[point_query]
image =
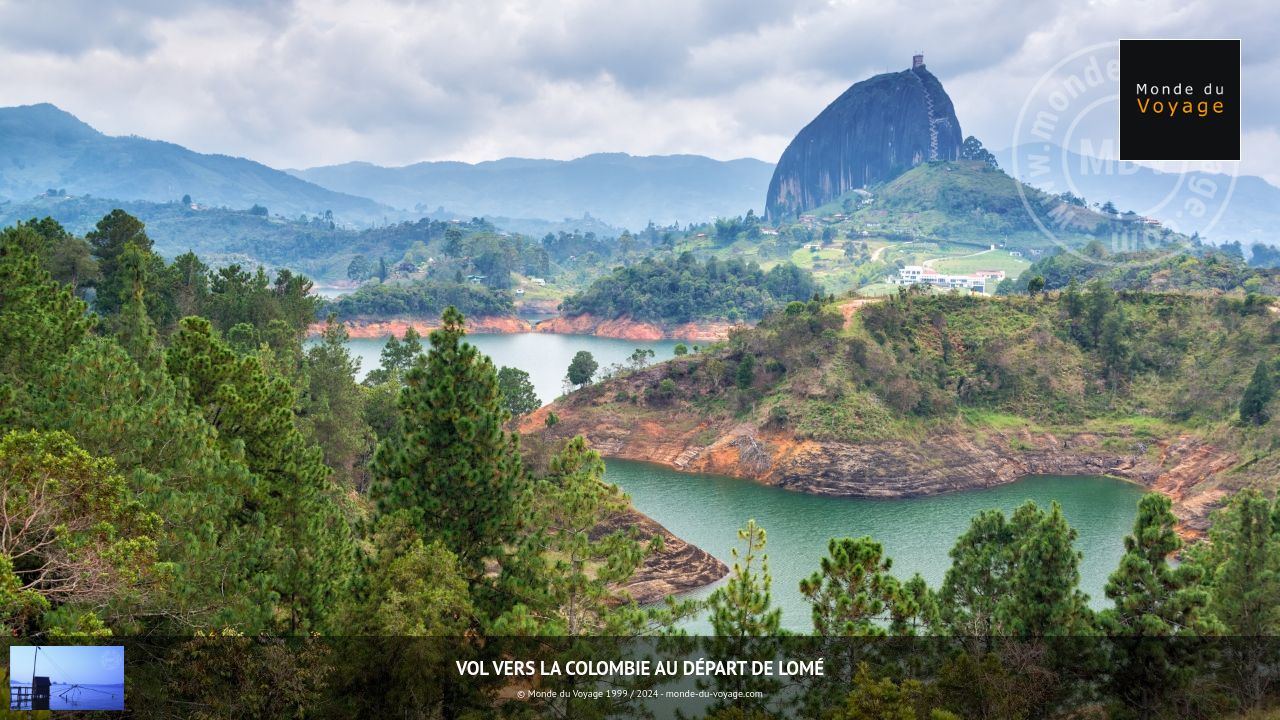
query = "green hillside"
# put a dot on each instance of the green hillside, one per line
(957, 217)
(971, 202)
(1129, 372)
(901, 365)
(1197, 268)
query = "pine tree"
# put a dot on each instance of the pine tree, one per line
(1257, 395)
(1153, 599)
(1015, 576)
(854, 594)
(398, 355)
(745, 374)
(1153, 602)
(1113, 346)
(189, 279)
(1242, 566)
(133, 326)
(311, 566)
(332, 409)
(743, 606)
(1246, 567)
(518, 395)
(745, 622)
(982, 564)
(40, 321)
(109, 240)
(582, 568)
(452, 467)
(1043, 598)
(1099, 301)
(1071, 300)
(213, 546)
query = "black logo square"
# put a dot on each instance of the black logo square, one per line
(1180, 99)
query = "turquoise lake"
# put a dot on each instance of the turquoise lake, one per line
(708, 510)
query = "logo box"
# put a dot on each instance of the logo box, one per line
(1180, 99)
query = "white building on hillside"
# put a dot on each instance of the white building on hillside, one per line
(981, 281)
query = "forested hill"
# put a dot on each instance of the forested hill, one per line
(321, 248)
(975, 202)
(1066, 357)
(683, 289)
(422, 299)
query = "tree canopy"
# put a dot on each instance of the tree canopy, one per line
(683, 289)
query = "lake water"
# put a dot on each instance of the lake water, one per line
(917, 533)
(544, 356)
(708, 510)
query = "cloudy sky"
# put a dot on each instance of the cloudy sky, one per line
(298, 83)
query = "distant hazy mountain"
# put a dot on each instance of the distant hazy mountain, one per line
(1252, 215)
(43, 147)
(619, 189)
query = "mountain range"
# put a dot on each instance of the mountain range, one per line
(43, 147)
(620, 189)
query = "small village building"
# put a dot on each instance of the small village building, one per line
(979, 281)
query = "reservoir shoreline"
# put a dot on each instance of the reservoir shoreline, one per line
(944, 461)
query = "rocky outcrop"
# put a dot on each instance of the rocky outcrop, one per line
(878, 129)
(1185, 468)
(680, 566)
(495, 325)
(627, 329)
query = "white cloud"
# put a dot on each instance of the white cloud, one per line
(311, 82)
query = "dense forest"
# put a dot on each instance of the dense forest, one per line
(681, 289)
(422, 298)
(326, 250)
(176, 463)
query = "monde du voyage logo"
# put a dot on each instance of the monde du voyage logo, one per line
(1179, 99)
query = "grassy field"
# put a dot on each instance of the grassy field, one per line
(989, 260)
(826, 256)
